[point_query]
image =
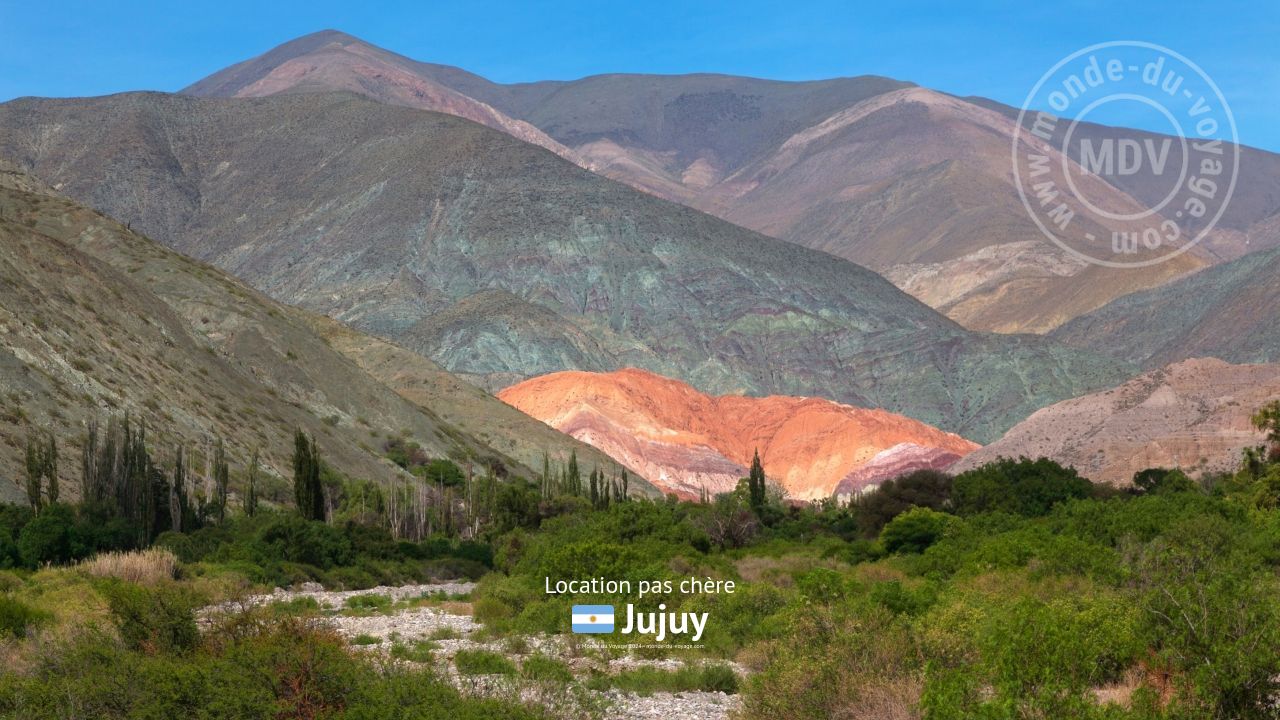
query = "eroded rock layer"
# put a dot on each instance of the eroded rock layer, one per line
(686, 441)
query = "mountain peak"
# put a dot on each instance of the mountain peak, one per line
(229, 81)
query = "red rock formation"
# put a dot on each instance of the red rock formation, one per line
(684, 441)
(1193, 415)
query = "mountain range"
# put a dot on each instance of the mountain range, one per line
(907, 181)
(829, 249)
(502, 261)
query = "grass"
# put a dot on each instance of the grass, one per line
(146, 567)
(648, 680)
(421, 651)
(483, 662)
(364, 639)
(297, 606)
(369, 604)
(445, 633)
(541, 668)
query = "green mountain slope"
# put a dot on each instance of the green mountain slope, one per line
(502, 261)
(98, 321)
(1228, 311)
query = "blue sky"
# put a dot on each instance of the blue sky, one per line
(994, 49)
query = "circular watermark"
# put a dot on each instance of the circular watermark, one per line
(1115, 196)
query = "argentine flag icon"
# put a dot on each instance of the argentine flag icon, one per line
(593, 619)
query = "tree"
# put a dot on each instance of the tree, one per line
(35, 471)
(546, 476)
(42, 465)
(923, 488)
(47, 538)
(573, 478)
(178, 494)
(251, 486)
(1267, 420)
(444, 472)
(221, 477)
(51, 470)
(756, 483)
(308, 492)
(729, 524)
(1159, 481)
(1022, 487)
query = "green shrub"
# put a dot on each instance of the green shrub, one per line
(372, 602)
(1023, 487)
(47, 538)
(915, 530)
(719, 678)
(1161, 480)
(364, 639)
(421, 651)
(17, 619)
(689, 678)
(922, 488)
(490, 610)
(541, 668)
(482, 662)
(10, 581)
(153, 619)
(305, 605)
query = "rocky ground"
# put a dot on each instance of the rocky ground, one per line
(437, 616)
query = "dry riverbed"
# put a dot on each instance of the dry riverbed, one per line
(437, 619)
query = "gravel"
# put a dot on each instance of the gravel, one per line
(580, 654)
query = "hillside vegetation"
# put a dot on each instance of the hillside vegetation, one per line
(1016, 589)
(100, 321)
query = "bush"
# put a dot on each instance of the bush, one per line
(541, 668)
(1160, 480)
(372, 602)
(915, 530)
(47, 538)
(719, 678)
(689, 678)
(1022, 487)
(309, 542)
(17, 619)
(253, 666)
(153, 620)
(482, 662)
(421, 651)
(922, 488)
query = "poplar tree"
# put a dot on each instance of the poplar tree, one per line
(756, 483)
(35, 471)
(221, 477)
(574, 477)
(42, 466)
(251, 486)
(308, 493)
